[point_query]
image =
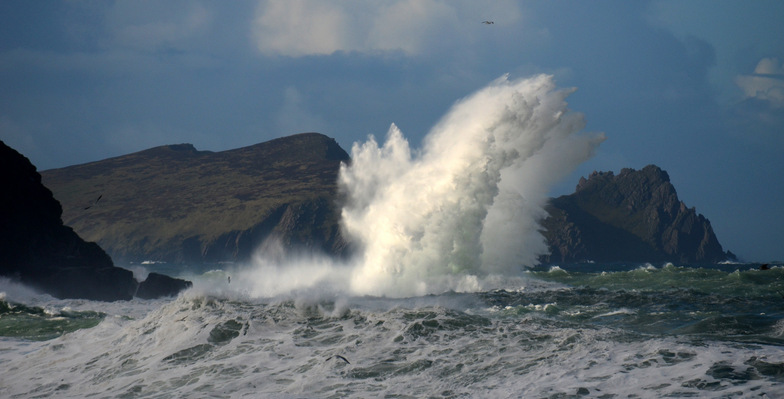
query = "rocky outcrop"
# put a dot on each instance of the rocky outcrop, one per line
(635, 216)
(180, 205)
(158, 285)
(38, 250)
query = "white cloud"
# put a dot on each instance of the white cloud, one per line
(407, 25)
(769, 66)
(766, 83)
(321, 27)
(299, 27)
(735, 30)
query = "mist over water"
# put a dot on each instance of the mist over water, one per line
(462, 212)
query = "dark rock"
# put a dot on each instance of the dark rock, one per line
(95, 283)
(635, 216)
(38, 250)
(159, 285)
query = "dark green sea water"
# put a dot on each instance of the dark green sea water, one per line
(605, 331)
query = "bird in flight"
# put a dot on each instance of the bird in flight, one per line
(339, 357)
(488, 22)
(94, 203)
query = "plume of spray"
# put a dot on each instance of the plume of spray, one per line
(466, 207)
(462, 213)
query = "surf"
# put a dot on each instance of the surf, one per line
(461, 213)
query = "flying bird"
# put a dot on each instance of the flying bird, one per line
(488, 22)
(339, 357)
(94, 203)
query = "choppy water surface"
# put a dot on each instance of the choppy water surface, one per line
(642, 332)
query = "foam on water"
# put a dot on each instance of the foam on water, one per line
(451, 345)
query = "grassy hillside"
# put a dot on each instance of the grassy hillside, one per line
(155, 202)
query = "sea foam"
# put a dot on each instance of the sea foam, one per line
(458, 212)
(468, 204)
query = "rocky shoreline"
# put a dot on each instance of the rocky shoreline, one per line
(36, 249)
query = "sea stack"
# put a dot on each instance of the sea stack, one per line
(634, 216)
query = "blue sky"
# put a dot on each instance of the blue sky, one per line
(696, 87)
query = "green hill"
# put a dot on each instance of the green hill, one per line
(177, 204)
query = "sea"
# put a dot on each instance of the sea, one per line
(442, 296)
(571, 331)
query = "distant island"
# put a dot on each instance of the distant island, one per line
(180, 205)
(634, 216)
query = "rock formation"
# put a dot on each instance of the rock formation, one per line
(38, 250)
(635, 216)
(180, 205)
(158, 285)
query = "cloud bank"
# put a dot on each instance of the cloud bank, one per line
(311, 27)
(766, 83)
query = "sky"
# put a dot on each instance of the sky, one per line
(695, 87)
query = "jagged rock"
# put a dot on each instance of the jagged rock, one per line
(38, 250)
(180, 205)
(635, 216)
(160, 285)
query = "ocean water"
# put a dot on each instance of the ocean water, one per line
(611, 331)
(442, 299)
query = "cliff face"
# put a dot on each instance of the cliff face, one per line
(38, 250)
(635, 216)
(177, 204)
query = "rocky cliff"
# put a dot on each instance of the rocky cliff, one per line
(635, 216)
(180, 205)
(177, 204)
(38, 250)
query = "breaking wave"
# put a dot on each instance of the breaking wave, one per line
(461, 213)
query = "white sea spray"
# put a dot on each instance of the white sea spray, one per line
(468, 204)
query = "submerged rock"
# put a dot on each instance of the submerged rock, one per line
(160, 285)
